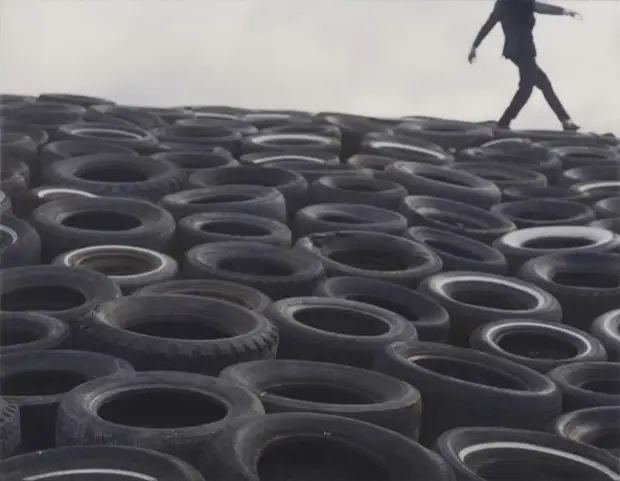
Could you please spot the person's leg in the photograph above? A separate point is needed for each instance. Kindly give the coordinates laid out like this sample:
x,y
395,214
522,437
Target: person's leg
x,y
527,81
544,84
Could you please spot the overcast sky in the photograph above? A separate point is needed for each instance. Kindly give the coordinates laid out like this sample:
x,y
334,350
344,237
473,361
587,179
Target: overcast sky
x,y
376,57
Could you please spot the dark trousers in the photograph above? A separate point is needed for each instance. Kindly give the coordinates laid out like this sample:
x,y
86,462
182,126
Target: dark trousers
x,y
530,76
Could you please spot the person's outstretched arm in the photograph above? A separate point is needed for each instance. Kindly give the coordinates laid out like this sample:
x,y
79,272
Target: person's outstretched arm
x,y
485,30
548,9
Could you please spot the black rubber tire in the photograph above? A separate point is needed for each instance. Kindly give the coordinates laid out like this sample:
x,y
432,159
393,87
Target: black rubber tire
x,y
402,147
81,100
353,129
232,292
524,244
232,226
531,192
608,208
204,336
575,156
334,217
545,212
291,185
213,119
215,402
466,387
502,175
445,183
10,432
99,460
14,184
612,225
278,141
324,446
120,221
541,346
459,253
303,386
82,290
265,118
30,331
595,191
200,136
36,381
41,195
456,217
265,159
429,318
153,178
21,244
44,115
449,134
472,454
598,427
587,384
336,330
312,171
586,284
133,137
591,173
123,115
373,255
357,190
376,163
317,128
63,149
30,139
6,207
248,199
129,267
276,271
191,161
473,299
606,328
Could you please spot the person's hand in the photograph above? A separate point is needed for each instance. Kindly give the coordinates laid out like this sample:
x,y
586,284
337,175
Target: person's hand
x,y
573,14
472,55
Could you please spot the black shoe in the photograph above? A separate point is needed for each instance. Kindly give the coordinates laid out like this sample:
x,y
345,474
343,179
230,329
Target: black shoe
x,y
570,126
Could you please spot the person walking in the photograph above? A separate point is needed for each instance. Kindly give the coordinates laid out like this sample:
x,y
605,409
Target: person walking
x,y
517,18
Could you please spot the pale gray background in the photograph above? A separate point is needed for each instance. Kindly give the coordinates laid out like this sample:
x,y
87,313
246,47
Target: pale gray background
x,y
372,57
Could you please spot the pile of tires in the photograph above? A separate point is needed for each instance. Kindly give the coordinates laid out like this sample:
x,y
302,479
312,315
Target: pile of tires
x,y
215,293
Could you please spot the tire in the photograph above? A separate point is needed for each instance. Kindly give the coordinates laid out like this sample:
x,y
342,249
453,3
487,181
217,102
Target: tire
x,y
75,222
335,330
473,299
324,446
429,318
512,194
213,119
444,183
458,253
503,176
606,328
313,171
334,217
322,129
129,267
109,175
456,217
592,173
30,139
598,427
275,142
595,191
290,184
238,294
449,134
524,244
192,161
172,412
585,284
132,137
541,346
372,255
293,156
353,129
376,163
480,382
473,454
587,384
66,293
608,208
612,225
323,388
276,271
357,190
21,244
264,119
14,184
200,136
64,149
545,212
99,460
247,199
124,115
402,147
211,227
30,331
81,100
5,204
576,156
10,434
36,381
45,115
41,195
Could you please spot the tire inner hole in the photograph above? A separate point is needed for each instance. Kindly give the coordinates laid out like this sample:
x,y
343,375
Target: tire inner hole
x,y
542,215
117,174
162,408
118,264
42,298
320,393
341,321
319,459
553,243
220,198
256,267
342,219
537,345
372,259
361,187
231,228
603,386
598,280
453,249
101,221
40,383
608,439
14,335
469,372
181,327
